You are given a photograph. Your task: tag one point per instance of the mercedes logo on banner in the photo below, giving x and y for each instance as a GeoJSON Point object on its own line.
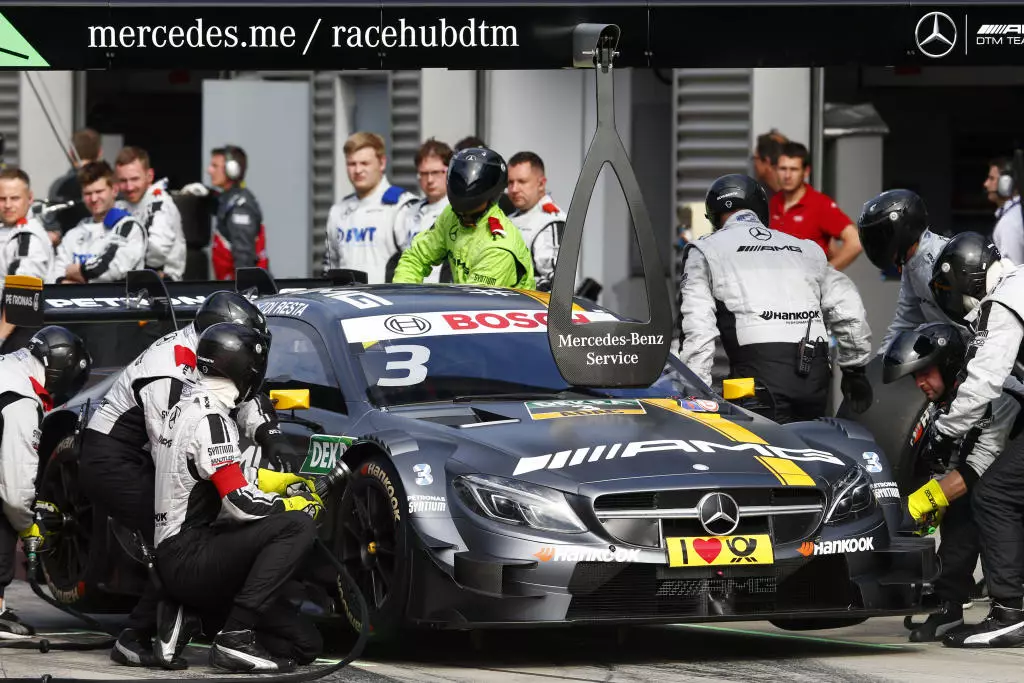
{"type": "Point", "coordinates": [935, 34]}
{"type": "Point", "coordinates": [718, 513]}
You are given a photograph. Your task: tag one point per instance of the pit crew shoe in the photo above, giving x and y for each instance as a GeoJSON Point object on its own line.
{"type": "Point", "coordinates": [12, 628]}
{"type": "Point", "coordinates": [949, 616]}
{"type": "Point", "coordinates": [175, 628]}
{"type": "Point", "coordinates": [134, 648]}
{"type": "Point", "coordinates": [1003, 627]}
{"type": "Point", "coordinates": [238, 651]}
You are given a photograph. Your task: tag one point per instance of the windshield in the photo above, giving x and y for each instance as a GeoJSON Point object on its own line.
{"type": "Point", "coordinates": [425, 361]}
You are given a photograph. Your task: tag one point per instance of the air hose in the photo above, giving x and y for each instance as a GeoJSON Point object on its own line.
{"type": "Point", "coordinates": [324, 484]}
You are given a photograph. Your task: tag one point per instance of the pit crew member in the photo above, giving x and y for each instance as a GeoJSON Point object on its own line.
{"type": "Point", "coordinates": [479, 241]}
{"type": "Point", "coordinates": [536, 215]}
{"type": "Point", "coordinates": [770, 296]}
{"type": "Point", "coordinates": [974, 286]}
{"type": "Point", "coordinates": [362, 229]}
{"type": "Point", "coordinates": [50, 370]}
{"type": "Point", "coordinates": [934, 354]}
{"type": "Point", "coordinates": [115, 468]}
{"type": "Point", "coordinates": [151, 204]}
{"type": "Point", "coordinates": [263, 532]}
{"type": "Point", "coordinates": [105, 247]}
{"type": "Point", "coordinates": [432, 161]}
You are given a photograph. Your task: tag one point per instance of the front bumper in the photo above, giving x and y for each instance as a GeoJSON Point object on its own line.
{"type": "Point", "coordinates": [480, 590]}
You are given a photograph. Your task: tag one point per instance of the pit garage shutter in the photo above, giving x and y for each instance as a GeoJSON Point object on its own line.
{"type": "Point", "coordinates": [712, 110]}
{"type": "Point", "coordinates": [10, 92]}
{"type": "Point", "coordinates": [404, 92]}
{"type": "Point", "coordinates": [322, 191]}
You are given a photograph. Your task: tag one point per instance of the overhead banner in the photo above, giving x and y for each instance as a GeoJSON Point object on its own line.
{"type": "Point", "coordinates": [538, 35]}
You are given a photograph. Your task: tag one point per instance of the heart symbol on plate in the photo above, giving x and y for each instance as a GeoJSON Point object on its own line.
{"type": "Point", "coordinates": [708, 549]}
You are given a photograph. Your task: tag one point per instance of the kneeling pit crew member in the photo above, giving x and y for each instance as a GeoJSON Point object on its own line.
{"type": "Point", "coordinates": [263, 530]}
{"type": "Point", "coordinates": [975, 287]}
{"type": "Point", "coordinates": [770, 297]}
{"type": "Point", "coordinates": [894, 232]}
{"type": "Point", "coordinates": [49, 371]}
{"type": "Point", "coordinates": [934, 354]}
{"type": "Point", "coordinates": [116, 468]}
{"type": "Point", "coordinates": [105, 247]}
{"type": "Point", "coordinates": [480, 243]}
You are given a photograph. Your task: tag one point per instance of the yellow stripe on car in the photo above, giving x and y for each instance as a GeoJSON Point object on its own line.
{"type": "Point", "coordinates": [720, 424]}
{"type": "Point", "coordinates": [544, 298]}
{"type": "Point", "coordinates": [786, 471]}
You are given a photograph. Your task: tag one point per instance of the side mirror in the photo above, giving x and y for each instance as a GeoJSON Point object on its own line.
{"type": "Point", "coordinates": [290, 399]}
{"type": "Point", "coordinates": [734, 389]}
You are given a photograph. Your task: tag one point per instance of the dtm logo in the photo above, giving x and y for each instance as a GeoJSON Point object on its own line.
{"type": "Point", "coordinates": [356, 234]}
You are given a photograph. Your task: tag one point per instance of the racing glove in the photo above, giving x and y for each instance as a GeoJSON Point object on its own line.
{"type": "Point", "coordinates": [270, 481]}
{"type": "Point", "coordinates": [857, 389]}
{"type": "Point", "coordinates": [276, 448]}
{"type": "Point", "coordinates": [309, 503]}
{"type": "Point", "coordinates": [927, 501]}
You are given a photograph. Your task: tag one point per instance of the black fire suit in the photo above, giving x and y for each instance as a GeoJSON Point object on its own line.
{"type": "Point", "coordinates": [762, 291]}
{"type": "Point", "coordinates": [259, 540]}
{"type": "Point", "coordinates": [115, 470]}
{"type": "Point", "coordinates": [997, 503]}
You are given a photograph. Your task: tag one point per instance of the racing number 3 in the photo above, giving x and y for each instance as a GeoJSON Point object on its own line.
{"type": "Point", "coordinates": [415, 366]}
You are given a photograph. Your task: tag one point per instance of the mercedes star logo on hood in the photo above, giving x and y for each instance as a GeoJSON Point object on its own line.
{"type": "Point", "coordinates": [718, 513]}
{"type": "Point", "coordinates": [935, 34]}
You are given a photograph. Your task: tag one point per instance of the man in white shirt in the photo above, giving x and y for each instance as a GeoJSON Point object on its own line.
{"type": "Point", "coordinates": [432, 161]}
{"type": "Point", "coordinates": [151, 204]}
{"type": "Point", "coordinates": [537, 216]}
{"type": "Point", "coordinates": [361, 228]}
{"type": "Point", "coordinates": [1001, 186]}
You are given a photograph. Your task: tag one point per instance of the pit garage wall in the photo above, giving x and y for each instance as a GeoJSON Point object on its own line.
{"type": "Point", "coordinates": [29, 140]}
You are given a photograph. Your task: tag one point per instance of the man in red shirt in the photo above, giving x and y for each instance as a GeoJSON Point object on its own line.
{"type": "Point", "coordinates": [801, 211]}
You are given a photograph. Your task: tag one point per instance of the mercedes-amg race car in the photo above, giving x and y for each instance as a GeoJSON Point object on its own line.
{"type": "Point", "coordinates": [488, 492]}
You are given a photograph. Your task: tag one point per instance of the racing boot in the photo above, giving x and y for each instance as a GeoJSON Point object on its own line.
{"type": "Point", "coordinates": [175, 628]}
{"type": "Point", "coordinates": [134, 648]}
{"type": "Point", "coordinates": [238, 651]}
{"type": "Point", "coordinates": [12, 628]}
{"type": "Point", "coordinates": [950, 615]}
{"type": "Point", "coordinates": [1003, 627]}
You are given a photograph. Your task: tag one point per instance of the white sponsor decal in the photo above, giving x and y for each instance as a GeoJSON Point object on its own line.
{"type": "Point", "coordinates": [361, 300]}
{"type": "Point", "coordinates": [556, 554]}
{"type": "Point", "coordinates": [427, 504]}
{"type": "Point", "coordinates": [571, 458]}
{"type": "Point", "coordinates": [293, 308]}
{"type": "Point", "coordinates": [871, 462]}
{"type": "Point", "coordinates": [423, 475]}
{"type": "Point", "coordinates": [446, 323]}
{"type": "Point", "coordinates": [886, 489]}
{"type": "Point", "coordinates": [846, 545]}
{"type": "Point", "coordinates": [118, 302]}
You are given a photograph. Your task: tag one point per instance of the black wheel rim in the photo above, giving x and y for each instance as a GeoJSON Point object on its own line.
{"type": "Point", "coordinates": [369, 540]}
{"type": "Point", "coordinates": [66, 552]}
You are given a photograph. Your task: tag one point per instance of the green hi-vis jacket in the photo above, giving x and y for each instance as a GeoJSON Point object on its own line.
{"type": "Point", "coordinates": [492, 252]}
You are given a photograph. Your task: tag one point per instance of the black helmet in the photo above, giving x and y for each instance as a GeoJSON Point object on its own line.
{"type": "Point", "coordinates": [960, 274]}
{"type": "Point", "coordinates": [476, 177]}
{"type": "Point", "coordinates": [734, 192]}
{"type": "Point", "coordinates": [66, 360]}
{"type": "Point", "coordinates": [236, 352]}
{"type": "Point", "coordinates": [889, 225]}
{"type": "Point", "coordinates": [938, 344]}
{"type": "Point", "coordinates": [230, 307]}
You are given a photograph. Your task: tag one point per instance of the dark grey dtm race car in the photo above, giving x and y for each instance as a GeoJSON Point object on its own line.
{"type": "Point", "coordinates": [488, 492]}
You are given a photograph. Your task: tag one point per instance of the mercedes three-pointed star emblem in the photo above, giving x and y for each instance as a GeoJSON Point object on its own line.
{"type": "Point", "coordinates": [718, 513]}
{"type": "Point", "coordinates": [935, 34]}
{"type": "Point", "coordinates": [759, 233]}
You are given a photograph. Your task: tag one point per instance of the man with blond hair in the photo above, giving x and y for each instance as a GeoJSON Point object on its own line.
{"type": "Point", "coordinates": [362, 229]}
{"type": "Point", "coordinates": [151, 204]}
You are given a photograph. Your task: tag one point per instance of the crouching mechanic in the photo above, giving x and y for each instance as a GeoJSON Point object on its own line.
{"type": "Point", "coordinates": [481, 244]}
{"type": "Point", "coordinates": [934, 354]}
{"type": "Point", "coordinates": [49, 371]}
{"type": "Point", "coordinates": [115, 469]}
{"type": "Point", "coordinates": [770, 296]}
{"type": "Point", "coordinates": [974, 286]}
{"type": "Point", "coordinates": [262, 532]}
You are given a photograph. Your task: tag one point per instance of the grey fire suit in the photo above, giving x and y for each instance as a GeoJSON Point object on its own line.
{"type": "Point", "coordinates": [417, 217]}
{"type": "Point", "coordinates": [916, 305]}
{"type": "Point", "coordinates": [758, 289]}
{"type": "Point", "coordinates": [1008, 233]}
{"type": "Point", "coordinates": [542, 227]}
{"type": "Point", "coordinates": [28, 251]}
{"type": "Point", "coordinates": [160, 216]}
{"type": "Point", "coordinates": [107, 254]}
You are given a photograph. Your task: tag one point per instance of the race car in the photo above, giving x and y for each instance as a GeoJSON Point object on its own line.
{"type": "Point", "coordinates": [488, 492]}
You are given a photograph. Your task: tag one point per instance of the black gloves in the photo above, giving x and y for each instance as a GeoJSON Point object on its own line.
{"type": "Point", "coordinates": [277, 450]}
{"type": "Point", "coordinates": [857, 389]}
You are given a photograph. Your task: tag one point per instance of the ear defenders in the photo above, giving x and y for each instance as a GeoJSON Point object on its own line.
{"type": "Point", "coordinates": [1006, 184]}
{"type": "Point", "coordinates": [232, 166]}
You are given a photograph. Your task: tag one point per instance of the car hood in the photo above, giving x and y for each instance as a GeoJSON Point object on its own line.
{"type": "Point", "coordinates": [565, 444]}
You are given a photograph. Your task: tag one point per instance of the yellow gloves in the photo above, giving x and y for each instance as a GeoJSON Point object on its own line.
{"type": "Point", "coordinates": [270, 481]}
{"type": "Point", "coordinates": [927, 504]}
{"type": "Point", "coordinates": [309, 503]}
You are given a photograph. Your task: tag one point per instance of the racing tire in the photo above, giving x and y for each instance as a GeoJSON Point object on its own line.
{"type": "Point", "coordinates": [372, 540]}
{"type": "Point", "coordinates": [816, 624]}
{"type": "Point", "coordinates": [64, 558]}
{"type": "Point", "coordinates": [894, 413]}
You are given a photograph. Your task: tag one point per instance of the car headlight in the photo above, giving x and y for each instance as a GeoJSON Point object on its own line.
{"type": "Point", "coordinates": [519, 503]}
{"type": "Point", "coordinates": [852, 496]}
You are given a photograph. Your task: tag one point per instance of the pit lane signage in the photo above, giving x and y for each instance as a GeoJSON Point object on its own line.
{"type": "Point", "coordinates": [323, 453]}
{"type": "Point", "coordinates": [547, 410]}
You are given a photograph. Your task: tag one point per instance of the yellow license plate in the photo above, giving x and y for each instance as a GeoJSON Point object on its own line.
{"type": "Point", "coordinates": [719, 550]}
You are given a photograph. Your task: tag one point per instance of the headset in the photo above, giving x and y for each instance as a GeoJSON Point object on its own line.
{"type": "Point", "coordinates": [233, 168]}
{"type": "Point", "coordinates": [1006, 185]}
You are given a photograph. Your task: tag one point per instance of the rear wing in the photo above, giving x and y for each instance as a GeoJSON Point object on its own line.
{"type": "Point", "coordinates": [143, 296]}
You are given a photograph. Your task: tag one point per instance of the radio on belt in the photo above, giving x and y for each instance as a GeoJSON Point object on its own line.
{"type": "Point", "coordinates": [805, 354]}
